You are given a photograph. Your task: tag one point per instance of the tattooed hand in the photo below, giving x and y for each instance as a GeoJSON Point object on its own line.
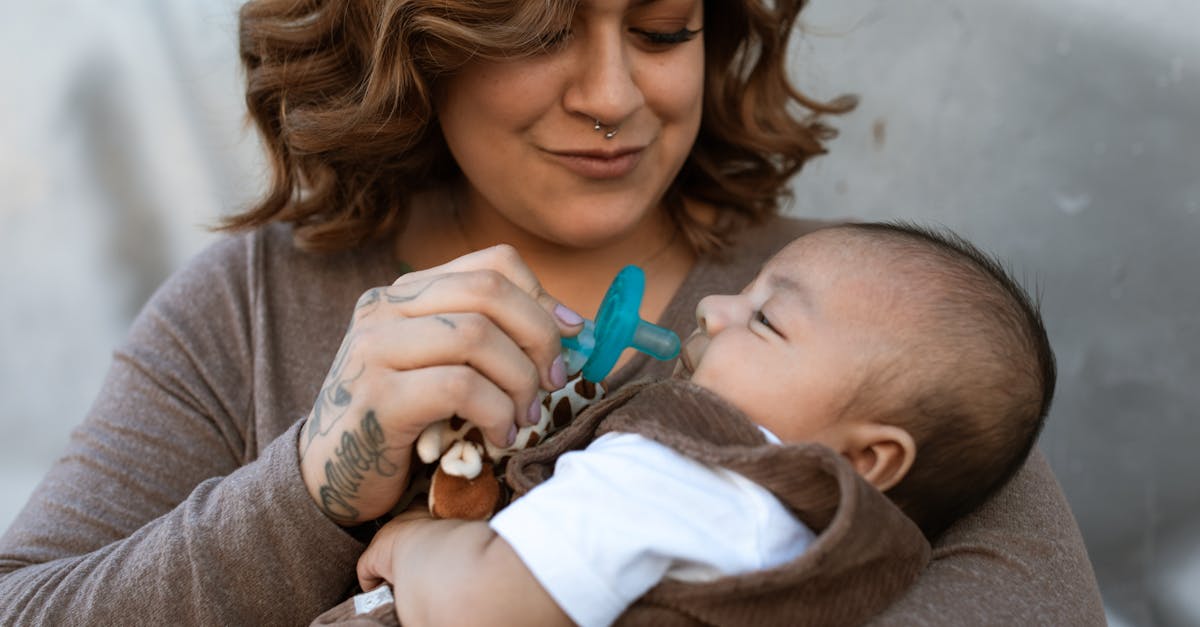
{"type": "Point", "coordinates": [475, 337]}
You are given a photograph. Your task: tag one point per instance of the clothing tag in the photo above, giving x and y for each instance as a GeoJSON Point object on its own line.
{"type": "Point", "coordinates": [367, 601]}
{"type": "Point", "coordinates": [771, 437]}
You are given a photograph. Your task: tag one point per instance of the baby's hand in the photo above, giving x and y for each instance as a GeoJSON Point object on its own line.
{"type": "Point", "coordinates": [454, 572]}
{"type": "Point", "coordinates": [376, 563]}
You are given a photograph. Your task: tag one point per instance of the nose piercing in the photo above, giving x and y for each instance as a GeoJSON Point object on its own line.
{"type": "Point", "coordinates": [610, 133]}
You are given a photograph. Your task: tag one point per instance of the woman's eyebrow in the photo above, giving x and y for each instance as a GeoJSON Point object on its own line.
{"type": "Point", "coordinates": [638, 4]}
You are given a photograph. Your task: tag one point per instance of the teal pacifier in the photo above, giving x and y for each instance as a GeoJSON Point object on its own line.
{"type": "Point", "coordinates": [617, 327]}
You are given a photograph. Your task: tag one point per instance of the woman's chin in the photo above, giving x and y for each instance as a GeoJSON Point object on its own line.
{"type": "Point", "coordinates": [601, 227]}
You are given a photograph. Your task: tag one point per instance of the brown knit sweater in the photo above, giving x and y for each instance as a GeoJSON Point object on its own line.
{"type": "Point", "coordinates": [179, 500]}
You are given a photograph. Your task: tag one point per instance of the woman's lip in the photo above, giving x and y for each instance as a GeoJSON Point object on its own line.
{"type": "Point", "coordinates": [598, 164]}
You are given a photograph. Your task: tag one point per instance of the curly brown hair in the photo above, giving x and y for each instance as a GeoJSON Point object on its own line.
{"type": "Point", "coordinates": [341, 92]}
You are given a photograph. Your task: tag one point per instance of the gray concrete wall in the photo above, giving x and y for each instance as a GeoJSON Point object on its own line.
{"type": "Point", "coordinates": [1062, 136]}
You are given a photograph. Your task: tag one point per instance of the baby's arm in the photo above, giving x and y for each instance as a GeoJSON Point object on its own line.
{"type": "Point", "coordinates": [455, 572]}
{"type": "Point", "coordinates": [610, 523]}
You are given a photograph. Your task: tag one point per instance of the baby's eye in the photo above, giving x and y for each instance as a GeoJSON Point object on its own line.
{"type": "Point", "coordinates": [761, 318]}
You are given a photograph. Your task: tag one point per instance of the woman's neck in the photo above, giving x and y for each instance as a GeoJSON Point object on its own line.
{"type": "Point", "coordinates": [577, 276]}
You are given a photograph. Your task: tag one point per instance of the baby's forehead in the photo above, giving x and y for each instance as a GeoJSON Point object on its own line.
{"type": "Point", "coordinates": [829, 240]}
{"type": "Point", "coordinates": [823, 250]}
{"type": "Point", "coordinates": [844, 263]}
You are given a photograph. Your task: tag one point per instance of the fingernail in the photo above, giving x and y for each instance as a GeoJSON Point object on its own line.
{"type": "Point", "coordinates": [558, 372]}
{"type": "Point", "coordinates": [534, 415]}
{"type": "Point", "coordinates": [567, 316]}
{"type": "Point", "coordinates": [512, 435]}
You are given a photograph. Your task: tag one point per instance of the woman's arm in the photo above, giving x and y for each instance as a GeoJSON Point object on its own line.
{"type": "Point", "coordinates": [1017, 560]}
{"type": "Point", "coordinates": [178, 499]}
{"type": "Point", "coordinates": [165, 507]}
{"type": "Point", "coordinates": [455, 572]}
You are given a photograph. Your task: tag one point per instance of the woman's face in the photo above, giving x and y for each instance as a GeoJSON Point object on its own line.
{"type": "Point", "coordinates": [523, 131]}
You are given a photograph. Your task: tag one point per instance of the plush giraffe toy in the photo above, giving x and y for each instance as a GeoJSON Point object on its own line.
{"type": "Point", "coordinates": [467, 480]}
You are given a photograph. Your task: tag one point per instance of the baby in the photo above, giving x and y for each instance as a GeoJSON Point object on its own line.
{"type": "Point", "coordinates": [907, 352]}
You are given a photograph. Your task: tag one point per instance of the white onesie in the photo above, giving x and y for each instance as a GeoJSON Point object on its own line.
{"type": "Point", "coordinates": [618, 516]}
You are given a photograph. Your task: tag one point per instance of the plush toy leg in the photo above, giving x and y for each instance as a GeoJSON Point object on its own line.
{"type": "Point", "coordinates": [457, 497]}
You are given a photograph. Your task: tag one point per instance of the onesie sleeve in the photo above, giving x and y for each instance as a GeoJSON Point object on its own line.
{"type": "Point", "coordinates": [617, 517]}
{"type": "Point", "coordinates": [163, 510]}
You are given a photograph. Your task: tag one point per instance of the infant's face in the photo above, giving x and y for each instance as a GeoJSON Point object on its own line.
{"type": "Point", "coordinates": [792, 348]}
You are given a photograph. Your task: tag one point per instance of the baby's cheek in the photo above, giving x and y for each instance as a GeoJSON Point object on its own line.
{"type": "Point", "coordinates": [736, 388]}
{"type": "Point", "coordinates": [712, 381]}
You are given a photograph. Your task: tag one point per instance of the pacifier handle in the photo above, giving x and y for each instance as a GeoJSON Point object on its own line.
{"type": "Point", "coordinates": [618, 326]}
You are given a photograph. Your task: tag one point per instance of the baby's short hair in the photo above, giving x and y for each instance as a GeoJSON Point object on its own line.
{"type": "Point", "coordinates": [975, 378]}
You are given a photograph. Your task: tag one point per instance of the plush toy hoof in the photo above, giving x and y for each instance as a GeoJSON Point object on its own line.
{"type": "Point", "coordinates": [462, 459]}
{"type": "Point", "coordinates": [468, 499]}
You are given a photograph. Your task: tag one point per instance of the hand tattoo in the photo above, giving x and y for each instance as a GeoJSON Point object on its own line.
{"type": "Point", "coordinates": [361, 452]}
{"type": "Point", "coordinates": [392, 294]}
{"type": "Point", "coordinates": [334, 399]}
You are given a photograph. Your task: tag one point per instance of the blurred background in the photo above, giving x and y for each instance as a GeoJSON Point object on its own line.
{"type": "Point", "coordinates": [1063, 136]}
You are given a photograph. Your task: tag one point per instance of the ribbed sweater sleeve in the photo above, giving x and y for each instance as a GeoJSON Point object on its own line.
{"type": "Point", "coordinates": [165, 509]}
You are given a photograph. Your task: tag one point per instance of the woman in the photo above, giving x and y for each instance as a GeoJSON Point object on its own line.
{"type": "Point", "coordinates": [229, 475]}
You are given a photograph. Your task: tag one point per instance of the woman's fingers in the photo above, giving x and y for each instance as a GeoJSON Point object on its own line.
{"type": "Point", "coordinates": [490, 293]}
{"type": "Point", "coordinates": [355, 461]}
{"type": "Point", "coordinates": [507, 261]}
{"type": "Point", "coordinates": [470, 339]}
{"type": "Point", "coordinates": [442, 391]}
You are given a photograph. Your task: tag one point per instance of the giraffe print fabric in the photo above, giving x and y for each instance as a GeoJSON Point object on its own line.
{"type": "Point", "coordinates": [461, 474]}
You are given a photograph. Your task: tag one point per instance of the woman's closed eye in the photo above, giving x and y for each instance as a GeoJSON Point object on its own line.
{"type": "Point", "coordinates": [666, 39]}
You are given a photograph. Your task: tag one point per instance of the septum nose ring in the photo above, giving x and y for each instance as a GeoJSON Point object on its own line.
{"type": "Point", "coordinates": [610, 133]}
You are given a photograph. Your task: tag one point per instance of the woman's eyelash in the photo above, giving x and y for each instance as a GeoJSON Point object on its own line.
{"type": "Point", "coordinates": [556, 40]}
{"type": "Point", "coordinates": [677, 37]}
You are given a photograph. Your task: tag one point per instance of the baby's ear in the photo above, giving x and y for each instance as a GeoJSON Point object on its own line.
{"type": "Point", "coordinates": [882, 454]}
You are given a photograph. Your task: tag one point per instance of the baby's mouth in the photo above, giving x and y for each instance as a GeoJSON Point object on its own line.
{"type": "Point", "coordinates": [693, 349]}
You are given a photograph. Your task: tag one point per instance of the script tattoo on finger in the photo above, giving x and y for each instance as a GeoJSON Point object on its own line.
{"type": "Point", "coordinates": [446, 321]}
{"type": "Point", "coordinates": [361, 454]}
{"type": "Point", "coordinates": [396, 294]}
{"type": "Point", "coordinates": [369, 302]}
{"type": "Point", "coordinates": [334, 398]}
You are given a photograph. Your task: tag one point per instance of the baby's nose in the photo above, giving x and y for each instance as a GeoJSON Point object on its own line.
{"type": "Point", "coordinates": [715, 312]}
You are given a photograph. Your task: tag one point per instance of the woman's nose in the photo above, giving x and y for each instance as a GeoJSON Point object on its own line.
{"type": "Point", "coordinates": [715, 313]}
{"type": "Point", "coordinates": [605, 83]}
